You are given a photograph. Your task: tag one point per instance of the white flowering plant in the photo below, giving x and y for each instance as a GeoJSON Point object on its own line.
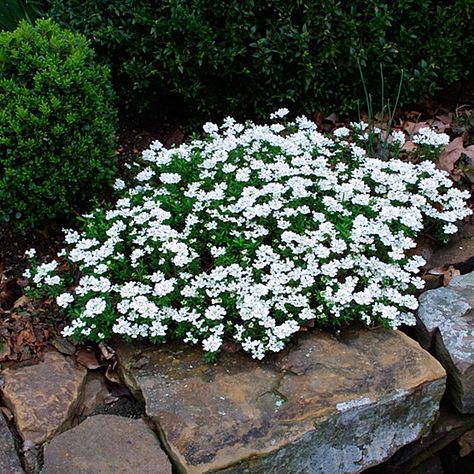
{"type": "Point", "coordinates": [249, 234]}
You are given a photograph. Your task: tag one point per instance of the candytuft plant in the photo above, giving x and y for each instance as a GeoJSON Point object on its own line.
{"type": "Point", "coordinates": [57, 122]}
{"type": "Point", "coordinates": [249, 234]}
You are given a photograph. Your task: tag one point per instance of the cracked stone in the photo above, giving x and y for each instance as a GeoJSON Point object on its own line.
{"type": "Point", "coordinates": [9, 462]}
{"type": "Point", "coordinates": [445, 323]}
{"type": "Point", "coordinates": [330, 404]}
{"type": "Point", "coordinates": [107, 444]}
{"type": "Point", "coordinates": [43, 397]}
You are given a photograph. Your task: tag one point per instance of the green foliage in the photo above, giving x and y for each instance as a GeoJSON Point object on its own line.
{"type": "Point", "coordinates": [244, 58]}
{"type": "Point", "coordinates": [57, 124]}
{"type": "Point", "coordinates": [13, 11]}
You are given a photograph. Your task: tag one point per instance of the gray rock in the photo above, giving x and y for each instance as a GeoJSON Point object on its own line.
{"type": "Point", "coordinates": [329, 405]}
{"type": "Point", "coordinates": [445, 323]}
{"type": "Point", "coordinates": [106, 444]}
{"type": "Point", "coordinates": [9, 462]}
{"type": "Point", "coordinates": [449, 426]}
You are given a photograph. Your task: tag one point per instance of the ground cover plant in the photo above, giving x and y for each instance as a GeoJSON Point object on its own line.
{"type": "Point", "coordinates": [57, 123]}
{"type": "Point", "coordinates": [250, 233]}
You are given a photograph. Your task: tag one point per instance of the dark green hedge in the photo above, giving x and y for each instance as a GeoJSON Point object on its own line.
{"type": "Point", "coordinates": [245, 58]}
{"type": "Point", "coordinates": [57, 122]}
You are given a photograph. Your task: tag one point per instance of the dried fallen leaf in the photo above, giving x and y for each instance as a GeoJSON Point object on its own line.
{"type": "Point", "coordinates": [26, 337]}
{"type": "Point", "coordinates": [5, 349]}
{"type": "Point", "coordinates": [332, 118]}
{"type": "Point", "coordinates": [438, 270]}
{"type": "Point", "coordinates": [106, 351]}
{"type": "Point", "coordinates": [445, 118]}
{"type": "Point", "coordinates": [111, 375]}
{"type": "Point", "coordinates": [440, 126]}
{"type": "Point", "coordinates": [451, 153]}
{"type": "Point", "coordinates": [409, 146]}
{"type": "Point", "coordinates": [21, 301]}
{"type": "Point", "coordinates": [411, 128]}
{"type": "Point", "coordinates": [109, 399]}
{"type": "Point", "coordinates": [451, 272]}
{"type": "Point", "coordinates": [87, 359]}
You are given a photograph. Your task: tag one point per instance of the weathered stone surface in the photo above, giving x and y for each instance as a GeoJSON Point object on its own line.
{"type": "Point", "coordinates": [449, 426]}
{"type": "Point", "coordinates": [9, 462]}
{"type": "Point", "coordinates": [446, 324]}
{"type": "Point", "coordinates": [106, 444]}
{"type": "Point", "coordinates": [44, 396]}
{"type": "Point", "coordinates": [328, 405]}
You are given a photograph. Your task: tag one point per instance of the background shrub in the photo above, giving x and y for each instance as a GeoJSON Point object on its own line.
{"type": "Point", "coordinates": [56, 124]}
{"type": "Point", "coordinates": [244, 58]}
{"type": "Point", "coordinates": [13, 11]}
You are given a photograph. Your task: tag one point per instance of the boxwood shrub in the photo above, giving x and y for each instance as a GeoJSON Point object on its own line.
{"type": "Point", "coordinates": [57, 122]}
{"type": "Point", "coordinates": [244, 58]}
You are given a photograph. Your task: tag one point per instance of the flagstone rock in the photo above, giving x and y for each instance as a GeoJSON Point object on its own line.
{"type": "Point", "coordinates": [43, 397]}
{"type": "Point", "coordinates": [330, 404]}
{"type": "Point", "coordinates": [445, 323]}
{"type": "Point", "coordinates": [106, 444]}
{"type": "Point", "coordinates": [9, 462]}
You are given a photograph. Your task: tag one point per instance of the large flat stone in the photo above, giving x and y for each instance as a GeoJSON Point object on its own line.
{"type": "Point", "coordinates": [44, 396]}
{"type": "Point", "coordinates": [106, 444]}
{"type": "Point", "coordinates": [9, 462]}
{"type": "Point", "coordinates": [445, 323]}
{"type": "Point", "coordinates": [328, 405]}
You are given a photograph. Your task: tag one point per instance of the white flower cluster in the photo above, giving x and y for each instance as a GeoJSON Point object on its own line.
{"type": "Point", "coordinates": [427, 136]}
{"type": "Point", "coordinates": [252, 233]}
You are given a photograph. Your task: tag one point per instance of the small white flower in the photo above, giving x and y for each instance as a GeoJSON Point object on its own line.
{"type": "Point", "coordinates": [341, 132]}
{"type": "Point", "coordinates": [170, 178]}
{"type": "Point", "coordinates": [398, 138]}
{"type": "Point", "coordinates": [427, 136]}
{"type": "Point", "coordinates": [52, 280]}
{"type": "Point", "coordinates": [210, 128]}
{"type": "Point", "coordinates": [30, 253]}
{"type": "Point", "coordinates": [280, 113]}
{"type": "Point", "coordinates": [64, 300]}
{"type": "Point", "coordinates": [119, 184]}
